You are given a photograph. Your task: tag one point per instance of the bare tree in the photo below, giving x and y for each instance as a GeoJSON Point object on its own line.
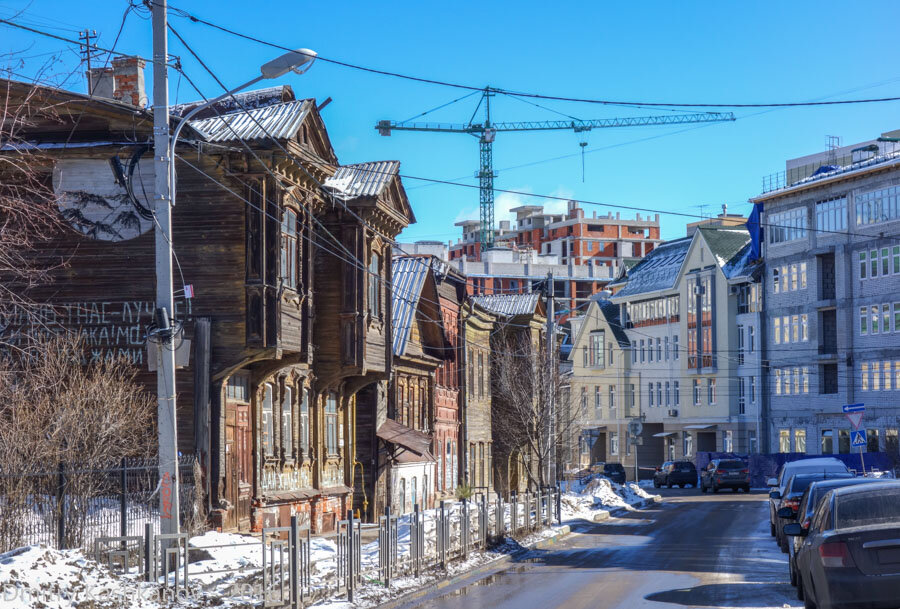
{"type": "Point", "coordinates": [56, 410]}
{"type": "Point", "coordinates": [531, 411]}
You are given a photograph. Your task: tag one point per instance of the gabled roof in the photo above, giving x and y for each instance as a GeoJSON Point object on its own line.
{"type": "Point", "coordinates": [731, 247]}
{"type": "Point", "coordinates": [510, 305]}
{"type": "Point", "coordinates": [363, 179]}
{"type": "Point", "coordinates": [657, 271]}
{"type": "Point", "coordinates": [280, 121]}
{"type": "Point", "coordinates": [611, 312]}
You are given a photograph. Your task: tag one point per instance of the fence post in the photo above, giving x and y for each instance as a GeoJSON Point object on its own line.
{"type": "Point", "coordinates": [558, 505]}
{"type": "Point", "coordinates": [293, 545]}
{"type": "Point", "coordinates": [350, 557]}
{"type": "Point", "coordinates": [123, 501]}
{"type": "Point", "coordinates": [464, 524]}
{"type": "Point", "coordinates": [61, 507]}
{"type": "Point", "coordinates": [414, 532]}
{"type": "Point", "coordinates": [148, 551]}
{"type": "Point", "coordinates": [513, 513]}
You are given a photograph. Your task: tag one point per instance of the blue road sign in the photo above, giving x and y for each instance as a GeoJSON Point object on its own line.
{"type": "Point", "coordinates": [858, 438]}
{"type": "Point", "coordinates": [854, 408]}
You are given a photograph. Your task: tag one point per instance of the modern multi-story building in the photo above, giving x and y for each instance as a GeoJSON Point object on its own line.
{"type": "Point", "coordinates": [689, 314]}
{"type": "Point", "coordinates": [831, 242]}
{"type": "Point", "coordinates": [595, 240]}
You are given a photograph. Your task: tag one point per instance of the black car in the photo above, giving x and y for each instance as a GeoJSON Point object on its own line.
{"type": "Point", "coordinates": [725, 473]}
{"type": "Point", "coordinates": [808, 504]}
{"type": "Point", "coordinates": [793, 492]}
{"type": "Point", "coordinates": [850, 554]}
{"type": "Point", "coordinates": [675, 473]}
{"type": "Point", "coordinates": [615, 472]}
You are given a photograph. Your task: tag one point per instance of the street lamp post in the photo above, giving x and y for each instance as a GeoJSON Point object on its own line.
{"type": "Point", "coordinates": [163, 201]}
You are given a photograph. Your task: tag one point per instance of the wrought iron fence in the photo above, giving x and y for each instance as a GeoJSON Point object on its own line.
{"type": "Point", "coordinates": [74, 507]}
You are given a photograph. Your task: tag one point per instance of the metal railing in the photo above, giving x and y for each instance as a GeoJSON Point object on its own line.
{"type": "Point", "coordinates": [407, 545]}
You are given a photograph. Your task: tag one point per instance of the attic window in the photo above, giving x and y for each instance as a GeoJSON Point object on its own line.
{"type": "Point", "coordinates": [305, 136]}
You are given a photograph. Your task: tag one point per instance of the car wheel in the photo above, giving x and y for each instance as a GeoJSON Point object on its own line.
{"type": "Point", "coordinates": [808, 604]}
{"type": "Point", "coordinates": [715, 488]}
{"type": "Point", "coordinates": [784, 548]}
{"type": "Point", "coordinates": [800, 592]}
{"type": "Point", "coordinates": [655, 483]}
{"type": "Point", "coordinates": [702, 489]}
{"type": "Point", "coordinates": [668, 484]}
{"type": "Point", "coordinates": [771, 529]}
{"type": "Point", "coordinates": [747, 489]}
{"type": "Point", "coordinates": [793, 576]}
{"type": "Point", "coordinates": [734, 489]}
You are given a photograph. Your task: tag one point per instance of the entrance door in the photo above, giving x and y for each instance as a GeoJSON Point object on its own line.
{"type": "Point", "coordinates": [238, 464]}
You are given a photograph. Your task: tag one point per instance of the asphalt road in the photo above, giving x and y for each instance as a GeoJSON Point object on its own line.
{"type": "Point", "coordinates": [692, 550]}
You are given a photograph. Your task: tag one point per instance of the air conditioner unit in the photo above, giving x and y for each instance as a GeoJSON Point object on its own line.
{"type": "Point", "coordinates": [733, 290]}
{"type": "Point", "coordinates": [673, 412]}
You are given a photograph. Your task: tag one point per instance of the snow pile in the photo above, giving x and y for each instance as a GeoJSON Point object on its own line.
{"type": "Point", "coordinates": [601, 494]}
{"type": "Point", "coordinates": [36, 576]}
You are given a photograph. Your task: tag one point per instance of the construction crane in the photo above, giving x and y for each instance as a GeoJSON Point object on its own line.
{"type": "Point", "coordinates": [486, 131]}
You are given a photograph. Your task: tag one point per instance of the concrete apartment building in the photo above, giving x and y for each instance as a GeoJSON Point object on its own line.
{"type": "Point", "coordinates": [831, 243]}
{"type": "Point", "coordinates": [691, 315]}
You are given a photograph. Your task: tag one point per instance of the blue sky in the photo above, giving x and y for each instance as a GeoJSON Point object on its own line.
{"type": "Point", "coordinates": [652, 51]}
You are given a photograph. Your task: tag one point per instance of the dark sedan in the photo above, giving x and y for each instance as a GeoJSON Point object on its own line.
{"type": "Point", "coordinates": [808, 504]}
{"type": "Point", "coordinates": [793, 492]}
{"type": "Point", "coordinates": [675, 473]}
{"type": "Point", "coordinates": [850, 555]}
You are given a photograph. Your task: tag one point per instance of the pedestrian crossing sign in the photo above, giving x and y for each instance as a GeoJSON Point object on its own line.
{"type": "Point", "coordinates": [858, 437]}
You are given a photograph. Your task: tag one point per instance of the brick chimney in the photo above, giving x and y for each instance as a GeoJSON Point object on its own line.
{"type": "Point", "coordinates": [128, 76]}
{"type": "Point", "coordinates": [124, 81]}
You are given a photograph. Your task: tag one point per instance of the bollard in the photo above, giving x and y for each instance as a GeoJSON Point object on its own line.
{"type": "Point", "coordinates": [293, 544]}
{"type": "Point", "coordinates": [350, 557]}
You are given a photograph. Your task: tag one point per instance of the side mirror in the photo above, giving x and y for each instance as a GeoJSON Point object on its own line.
{"type": "Point", "coordinates": [772, 482]}
{"type": "Point", "coordinates": [786, 512]}
{"type": "Point", "coordinates": [794, 530]}
{"type": "Point", "coordinates": [774, 495]}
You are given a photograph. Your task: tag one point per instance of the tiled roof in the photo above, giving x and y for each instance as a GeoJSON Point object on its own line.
{"type": "Point", "coordinates": [509, 304]}
{"type": "Point", "coordinates": [363, 179]}
{"type": "Point", "coordinates": [409, 275]}
{"type": "Point", "coordinates": [657, 271]}
{"type": "Point", "coordinates": [278, 121]}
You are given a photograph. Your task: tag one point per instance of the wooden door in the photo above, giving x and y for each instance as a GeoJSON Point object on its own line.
{"type": "Point", "coordinates": [238, 463]}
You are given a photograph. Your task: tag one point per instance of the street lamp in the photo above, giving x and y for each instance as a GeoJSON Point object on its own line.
{"type": "Point", "coordinates": [298, 61]}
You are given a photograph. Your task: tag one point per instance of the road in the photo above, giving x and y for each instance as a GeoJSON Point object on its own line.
{"type": "Point", "coordinates": [692, 550]}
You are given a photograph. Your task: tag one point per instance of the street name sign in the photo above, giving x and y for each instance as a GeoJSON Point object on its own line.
{"type": "Point", "coordinates": [858, 438]}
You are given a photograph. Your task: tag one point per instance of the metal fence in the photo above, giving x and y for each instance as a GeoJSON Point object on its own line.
{"type": "Point", "coordinates": [73, 507]}
{"type": "Point", "coordinates": [406, 545]}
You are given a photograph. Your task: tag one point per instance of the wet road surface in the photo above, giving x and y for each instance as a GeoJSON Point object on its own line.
{"type": "Point", "coordinates": [692, 550]}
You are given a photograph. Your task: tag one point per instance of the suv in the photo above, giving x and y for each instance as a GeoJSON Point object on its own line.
{"type": "Point", "coordinates": [725, 473]}
{"type": "Point", "coordinates": [819, 464]}
{"type": "Point", "coordinates": [615, 472]}
{"type": "Point", "coordinates": [675, 473]}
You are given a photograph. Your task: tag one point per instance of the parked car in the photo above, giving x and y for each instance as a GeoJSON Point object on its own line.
{"type": "Point", "coordinates": [675, 473]}
{"type": "Point", "coordinates": [850, 555]}
{"type": "Point", "coordinates": [819, 464]}
{"type": "Point", "coordinates": [808, 504]}
{"type": "Point", "coordinates": [615, 472]}
{"type": "Point", "coordinates": [787, 505]}
{"type": "Point", "coordinates": [725, 473]}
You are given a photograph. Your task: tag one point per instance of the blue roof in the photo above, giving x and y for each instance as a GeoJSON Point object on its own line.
{"type": "Point", "coordinates": [409, 275]}
{"type": "Point", "coordinates": [658, 270]}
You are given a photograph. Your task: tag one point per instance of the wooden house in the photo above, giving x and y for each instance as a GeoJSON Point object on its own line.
{"type": "Point", "coordinates": [280, 299]}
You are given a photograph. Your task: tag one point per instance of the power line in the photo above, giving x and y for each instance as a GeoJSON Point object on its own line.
{"type": "Point", "coordinates": [638, 104]}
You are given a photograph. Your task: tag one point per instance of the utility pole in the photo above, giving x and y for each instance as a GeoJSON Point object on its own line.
{"type": "Point", "coordinates": [88, 50]}
{"type": "Point", "coordinates": [165, 311]}
{"type": "Point", "coordinates": [551, 381]}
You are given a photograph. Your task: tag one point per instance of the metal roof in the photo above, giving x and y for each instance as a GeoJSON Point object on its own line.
{"type": "Point", "coordinates": [509, 304]}
{"type": "Point", "coordinates": [362, 179]}
{"type": "Point", "coordinates": [409, 275]}
{"type": "Point", "coordinates": [277, 121]}
{"type": "Point", "coordinates": [657, 271]}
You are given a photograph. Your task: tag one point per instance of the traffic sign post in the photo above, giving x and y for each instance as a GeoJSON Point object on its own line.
{"type": "Point", "coordinates": [854, 413]}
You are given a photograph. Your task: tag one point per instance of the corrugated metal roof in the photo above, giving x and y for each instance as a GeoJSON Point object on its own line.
{"type": "Point", "coordinates": [278, 121]}
{"type": "Point", "coordinates": [408, 278]}
{"type": "Point", "coordinates": [238, 102]}
{"type": "Point", "coordinates": [509, 304]}
{"type": "Point", "coordinates": [657, 271]}
{"type": "Point", "coordinates": [363, 179]}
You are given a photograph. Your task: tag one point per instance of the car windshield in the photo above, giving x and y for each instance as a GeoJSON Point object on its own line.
{"type": "Point", "coordinates": [801, 483]}
{"type": "Point", "coordinates": [684, 467]}
{"type": "Point", "coordinates": [614, 467]}
{"type": "Point", "coordinates": [732, 465]}
{"type": "Point", "coordinates": [876, 506]}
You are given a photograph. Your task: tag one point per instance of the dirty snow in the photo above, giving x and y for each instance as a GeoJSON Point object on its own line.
{"type": "Point", "coordinates": [601, 494]}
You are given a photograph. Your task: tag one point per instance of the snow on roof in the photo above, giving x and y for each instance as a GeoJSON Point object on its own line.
{"type": "Point", "coordinates": [363, 179]}
{"type": "Point", "coordinates": [731, 247]}
{"type": "Point", "coordinates": [276, 121]}
{"type": "Point", "coordinates": [657, 271]}
{"type": "Point", "coordinates": [509, 304]}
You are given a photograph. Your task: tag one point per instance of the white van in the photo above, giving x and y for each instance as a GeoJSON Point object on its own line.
{"type": "Point", "coordinates": [827, 465]}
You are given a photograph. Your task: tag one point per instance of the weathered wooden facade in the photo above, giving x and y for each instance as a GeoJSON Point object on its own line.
{"type": "Point", "coordinates": [522, 316]}
{"type": "Point", "coordinates": [287, 331]}
{"type": "Point", "coordinates": [476, 443]}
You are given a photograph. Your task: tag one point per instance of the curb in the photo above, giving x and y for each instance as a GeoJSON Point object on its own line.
{"type": "Point", "coordinates": [564, 530]}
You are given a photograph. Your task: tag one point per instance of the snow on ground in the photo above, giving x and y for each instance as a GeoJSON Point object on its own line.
{"type": "Point", "coordinates": [601, 494]}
